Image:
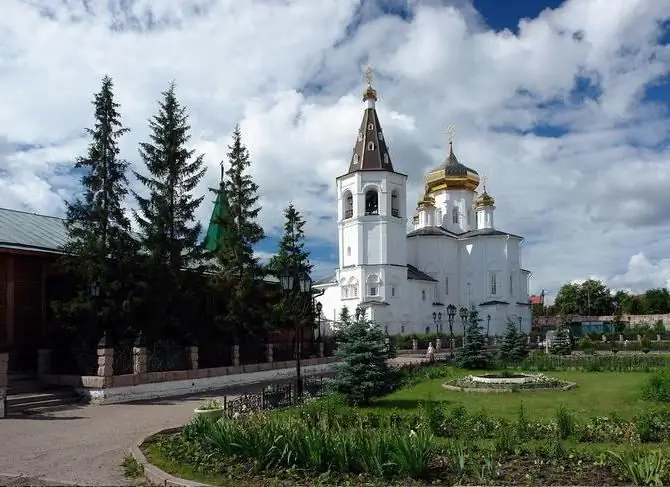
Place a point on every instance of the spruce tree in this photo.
(473, 353)
(292, 258)
(363, 373)
(561, 344)
(100, 247)
(239, 273)
(508, 346)
(169, 231)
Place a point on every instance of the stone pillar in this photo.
(106, 359)
(192, 352)
(4, 362)
(322, 348)
(236, 355)
(269, 352)
(621, 338)
(43, 361)
(658, 337)
(438, 344)
(140, 355)
(415, 344)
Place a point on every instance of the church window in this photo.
(446, 285)
(355, 158)
(423, 295)
(494, 284)
(371, 127)
(402, 328)
(345, 292)
(372, 291)
(511, 284)
(371, 202)
(371, 145)
(386, 158)
(348, 204)
(454, 215)
(395, 205)
(393, 291)
(439, 217)
(348, 251)
(354, 290)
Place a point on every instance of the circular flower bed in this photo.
(508, 383)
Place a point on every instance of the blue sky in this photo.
(565, 112)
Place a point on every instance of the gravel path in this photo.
(84, 445)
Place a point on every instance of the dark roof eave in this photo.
(493, 303)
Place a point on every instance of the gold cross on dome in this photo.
(368, 75)
(451, 133)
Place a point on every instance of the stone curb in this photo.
(152, 473)
(27, 478)
(568, 387)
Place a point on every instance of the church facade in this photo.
(452, 255)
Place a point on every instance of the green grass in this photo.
(599, 393)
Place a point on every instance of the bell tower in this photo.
(372, 218)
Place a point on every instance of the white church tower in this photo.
(371, 217)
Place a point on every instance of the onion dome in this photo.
(484, 200)
(427, 200)
(452, 175)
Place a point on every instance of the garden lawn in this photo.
(597, 394)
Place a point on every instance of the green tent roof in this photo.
(215, 230)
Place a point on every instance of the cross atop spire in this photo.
(451, 134)
(484, 180)
(369, 93)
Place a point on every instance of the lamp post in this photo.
(95, 296)
(319, 307)
(287, 282)
(488, 325)
(451, 312)
(463, 312)
(437, 319)
(520, 320)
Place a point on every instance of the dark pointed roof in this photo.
(215, 231)
(370, 151)
(454, 168)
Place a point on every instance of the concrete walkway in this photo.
(84, 445)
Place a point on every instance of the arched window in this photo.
(371, 202)
(454, 215)
(348, 251)
(494, 283)
(355, 158)
(371, 127)
(395, 203)
(348, 204)
(423, 295)
(373, 284)
(380, 135)
(371, 145)
(386, 158)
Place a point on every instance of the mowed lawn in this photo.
(599, 393)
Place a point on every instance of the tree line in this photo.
(162, 279)
(594, 298)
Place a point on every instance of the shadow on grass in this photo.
(406, 403)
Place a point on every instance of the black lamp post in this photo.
(451, 312)
(520, 320)
(437, 319)
(463, 312)
(319, 307)
(488, 325)
(288, 282)
(95, 296)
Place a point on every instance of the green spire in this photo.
(216, 231)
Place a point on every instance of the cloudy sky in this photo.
(563, 105)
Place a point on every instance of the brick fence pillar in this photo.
(621, 338)
(269, 352)
(4, 362)
(236, 355)
(106, 359)
(43, 361)
(140, 355)
(415, 344)
(193, 357)
(438, 344)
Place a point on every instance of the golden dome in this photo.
(484, 200)
(369, 94)
(428, 201)
(452, 175)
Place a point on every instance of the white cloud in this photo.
(586, 202)
(643, 274)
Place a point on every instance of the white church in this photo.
(454, 255)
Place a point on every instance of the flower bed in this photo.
(508, 383)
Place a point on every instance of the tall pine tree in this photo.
(473, 354)
(169, 231)
(100, 248)
(292, 258)
(239, 273)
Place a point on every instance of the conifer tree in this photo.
(363, 373)
(169, 231)
(292, 258)
(239, 273)
(513, 348)
(473, 353)
(100, 248)
(561, 344)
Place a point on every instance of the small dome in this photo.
(369, 94)
(484, 200)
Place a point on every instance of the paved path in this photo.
(84, 445)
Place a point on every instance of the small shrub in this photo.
(565, 423)
(641, 468)
(131, 468)
(657, 388)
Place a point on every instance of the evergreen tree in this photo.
(514, 346)
(473, 353)
(363, 373)
(169, 231)
(294, 259)
(561, 344)
(100, 247)
(239, 273)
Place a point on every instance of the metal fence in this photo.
(215, 354)
(276, 396)
(166, 355)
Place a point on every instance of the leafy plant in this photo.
(640, 467)
(657, 387)
(565, 423)
(211, 404)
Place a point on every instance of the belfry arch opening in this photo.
(395, 203)
(348, 202)
(371, 202)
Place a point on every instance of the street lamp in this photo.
(520, 320)
(437, 319)
(463, 312)
(451, 312)
(488, 325)
(319, 307)
(287, 282)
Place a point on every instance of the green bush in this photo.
(657, 387)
